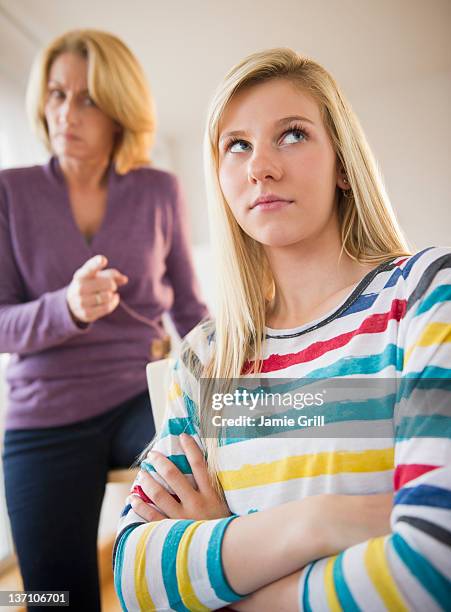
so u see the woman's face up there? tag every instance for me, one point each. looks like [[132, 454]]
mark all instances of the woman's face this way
[[77, 128], [277, 167]]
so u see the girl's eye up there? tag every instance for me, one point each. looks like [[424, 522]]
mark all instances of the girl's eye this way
[[294, 135], [238, 146]]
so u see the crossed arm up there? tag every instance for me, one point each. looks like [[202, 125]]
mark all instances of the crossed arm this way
[[296, 533]]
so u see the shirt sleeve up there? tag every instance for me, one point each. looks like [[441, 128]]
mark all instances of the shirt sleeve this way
[[28, 326], [188, 309], [410, 569], [172, 564]]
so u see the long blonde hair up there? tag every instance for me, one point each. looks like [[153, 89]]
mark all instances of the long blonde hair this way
[[116, 83], [369, 231]]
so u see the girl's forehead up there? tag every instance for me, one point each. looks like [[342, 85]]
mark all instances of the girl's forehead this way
[[268, 102]]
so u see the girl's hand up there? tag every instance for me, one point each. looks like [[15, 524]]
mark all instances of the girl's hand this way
[[145, 511], [187, 503]]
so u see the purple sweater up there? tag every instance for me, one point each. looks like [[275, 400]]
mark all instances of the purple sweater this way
[[59, 373]]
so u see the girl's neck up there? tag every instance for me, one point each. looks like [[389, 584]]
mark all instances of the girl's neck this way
[[310, 280]]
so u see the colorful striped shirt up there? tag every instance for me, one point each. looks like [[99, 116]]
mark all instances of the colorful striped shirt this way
[[395, 327]]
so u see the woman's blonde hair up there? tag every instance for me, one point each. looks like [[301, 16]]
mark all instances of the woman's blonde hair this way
[[369, 230], [116, 83]]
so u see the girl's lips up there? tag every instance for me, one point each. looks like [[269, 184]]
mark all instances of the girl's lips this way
[[272, 205]]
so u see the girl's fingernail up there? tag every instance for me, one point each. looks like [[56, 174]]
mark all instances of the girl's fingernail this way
[[137, 490]]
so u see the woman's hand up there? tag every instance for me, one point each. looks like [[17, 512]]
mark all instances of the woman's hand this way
[[188, 503], [92, 293]]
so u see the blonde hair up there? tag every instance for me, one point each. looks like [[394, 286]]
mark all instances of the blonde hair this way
[[116, 83], [369, 231]]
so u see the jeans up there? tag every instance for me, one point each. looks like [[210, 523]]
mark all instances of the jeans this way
[[55, 481]]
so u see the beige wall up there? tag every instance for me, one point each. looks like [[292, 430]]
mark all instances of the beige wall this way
[[392, 57], [409, 128]]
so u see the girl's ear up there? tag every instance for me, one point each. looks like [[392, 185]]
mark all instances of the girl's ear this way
[[342, 178]]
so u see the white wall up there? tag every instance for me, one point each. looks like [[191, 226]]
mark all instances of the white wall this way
[[409, 128], [5, 535], [17, 144], [393, 59]]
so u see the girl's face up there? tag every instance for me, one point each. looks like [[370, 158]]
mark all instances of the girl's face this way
[[277, 168], [77, 128]]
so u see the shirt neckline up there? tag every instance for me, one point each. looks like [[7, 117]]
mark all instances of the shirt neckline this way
[[91, 246], [336, 311]]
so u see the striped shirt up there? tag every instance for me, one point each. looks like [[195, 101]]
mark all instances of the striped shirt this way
[[394, 326]]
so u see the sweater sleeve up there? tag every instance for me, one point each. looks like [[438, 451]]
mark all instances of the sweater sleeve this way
[[28, 326], [410, 569], [171, 564], [188, 309]]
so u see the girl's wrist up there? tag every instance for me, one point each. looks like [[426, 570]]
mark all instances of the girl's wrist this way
[[351, 519], [310, 537], [320, 525]]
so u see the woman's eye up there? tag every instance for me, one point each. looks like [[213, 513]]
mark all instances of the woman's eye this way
[[88, 101], [238, 146], [56, 94], [293, 136]]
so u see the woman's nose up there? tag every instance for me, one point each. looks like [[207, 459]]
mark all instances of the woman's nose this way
[[263, 166], [67, 111]]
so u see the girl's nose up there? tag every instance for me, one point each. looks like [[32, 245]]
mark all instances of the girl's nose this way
[[263, 167]]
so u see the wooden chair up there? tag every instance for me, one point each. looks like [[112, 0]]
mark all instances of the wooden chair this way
[[125, 475]]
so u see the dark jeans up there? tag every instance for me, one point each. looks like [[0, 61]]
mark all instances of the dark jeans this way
[[55, 481]]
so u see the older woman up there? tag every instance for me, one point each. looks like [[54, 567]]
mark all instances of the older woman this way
[[93, 251]]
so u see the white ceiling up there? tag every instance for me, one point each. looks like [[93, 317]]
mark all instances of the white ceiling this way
[[187, 45]]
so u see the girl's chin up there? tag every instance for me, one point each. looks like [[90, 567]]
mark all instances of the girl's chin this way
[[280, 244], [277, 240]]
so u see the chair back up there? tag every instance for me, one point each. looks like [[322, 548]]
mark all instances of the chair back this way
[[158, 383]]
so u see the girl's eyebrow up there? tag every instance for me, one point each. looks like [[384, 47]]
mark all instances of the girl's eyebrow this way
[[294, 118], [279, 122]]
